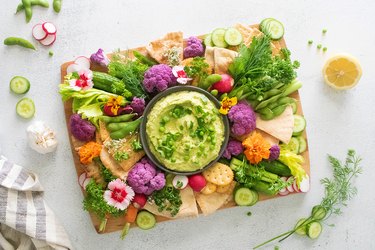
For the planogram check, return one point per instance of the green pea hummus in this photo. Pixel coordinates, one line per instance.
(185, 131)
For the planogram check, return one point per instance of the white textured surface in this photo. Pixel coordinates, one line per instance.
(336, 120)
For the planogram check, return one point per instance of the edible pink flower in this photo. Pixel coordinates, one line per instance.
(119, 194)
(84, 80)
(180, 74)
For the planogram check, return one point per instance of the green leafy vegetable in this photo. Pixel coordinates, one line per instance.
(168, 199)
(105, 172)
(197, 68)
(293, 161)
(338, 191)
(121, 156)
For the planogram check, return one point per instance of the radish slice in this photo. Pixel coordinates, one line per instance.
(305, 184)
(180, 181)
(83, 61)
(82, 178)
(295, 187)
(49, 28)
(49, 40)
(86, 182)
(74, 68)
(290, 187)
(38, 32)
(283, 192)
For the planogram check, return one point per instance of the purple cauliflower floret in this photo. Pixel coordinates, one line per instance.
(144, 179)
(81, 129)
(274, 152)
(138, 105)
(234, 147)
(158, 78)
(100, 58)
(194, 47)
(242, 118)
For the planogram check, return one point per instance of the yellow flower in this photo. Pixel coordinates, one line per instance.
(115, 103)
(226, 104)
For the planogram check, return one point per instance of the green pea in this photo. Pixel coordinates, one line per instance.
(28, 10)
(20, 42)
(214, 92)
(324, 31)
(57, 5)
(324, 49)
(211, 79)
(162, 129)
(319, 46)
(50, 53)
(310, 42)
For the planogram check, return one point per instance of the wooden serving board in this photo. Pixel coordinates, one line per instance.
(116, 224)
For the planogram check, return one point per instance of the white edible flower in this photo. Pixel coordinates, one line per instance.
(41, 138)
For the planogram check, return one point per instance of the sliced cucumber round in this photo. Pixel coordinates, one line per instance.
(294, 107)
(293, 145)
(302, 144)
(244, 197)
(25, 108)
(299, 125)
(272, 28)
(217, 37)
(208, 41)
(314, 229)
(145, 220)
(318, 212)
(255, 197)
(301, 230)
(233, 37)
(19, 85)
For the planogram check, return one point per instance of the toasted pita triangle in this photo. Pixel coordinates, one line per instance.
(209, 203)
(246, 32)
(209, 55)
(188, 208)
(223, 58)
(112, 165)
(255, 33)
(280, 127)
(158, 48)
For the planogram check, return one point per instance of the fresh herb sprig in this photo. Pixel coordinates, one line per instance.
(338, 191)
(168, 199)
(198, 68)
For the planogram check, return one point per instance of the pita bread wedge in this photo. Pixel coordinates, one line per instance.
(209, 55)
(209, 203)
(188, 208)
(280, 127)
(255, 33)
(104, 134)
(245, 30)
(171, 43)
(223, 58)
(112, 165)
(94, 172)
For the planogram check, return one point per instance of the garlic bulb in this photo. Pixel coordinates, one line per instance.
(41, 138)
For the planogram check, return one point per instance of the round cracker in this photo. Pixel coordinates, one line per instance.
(209, 188)
(219, 174)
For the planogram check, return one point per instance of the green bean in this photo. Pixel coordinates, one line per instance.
(294, 86)
(41, 3)
(19, 41)
(57, 5)
(126, 130)
(28, 10)
(120, 118)
(144, 59)
(265, 103)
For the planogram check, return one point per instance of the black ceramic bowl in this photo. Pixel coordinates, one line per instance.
(144, 139)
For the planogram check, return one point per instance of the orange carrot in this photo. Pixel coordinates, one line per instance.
(131, 214)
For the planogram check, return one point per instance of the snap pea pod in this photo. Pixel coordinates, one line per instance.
(279, 110)
(41, 3)
(211, 79)
(114, 119)
(57, 5)
(19, 41)
(28, 10)
(114, 126)
(126, 130)
(265, 103)
(294, 86)
(266, 114)
(144, 59)
(271, 93)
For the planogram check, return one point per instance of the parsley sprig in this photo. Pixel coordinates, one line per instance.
(168, 199)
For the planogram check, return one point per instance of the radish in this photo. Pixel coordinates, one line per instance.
(83, 61)
(49, 40)
(283, 192)
(139, 201)
(82, 178)
(38, 32)
(180, 181)
(197, 182)
(86, 182)
(49, 28)
(295, 187)
(304, 185)
(225, 85)
(290, 187)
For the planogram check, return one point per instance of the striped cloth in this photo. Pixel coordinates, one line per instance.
(23, 209)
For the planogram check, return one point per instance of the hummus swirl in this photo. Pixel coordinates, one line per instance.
(185, 131)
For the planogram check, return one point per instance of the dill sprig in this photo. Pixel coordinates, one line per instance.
(338, 191)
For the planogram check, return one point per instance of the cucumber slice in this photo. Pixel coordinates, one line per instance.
(318, 212)
(233, 37)
(145, 220)
(272, 28)
(293, 145)
(19, 85)
(244, 197)
(25, 108)
(301, 230)
(294, 107)
(208, 41)
(314, 229)
(302, 144)
(217, 37)
(299, 125)
(256, 197)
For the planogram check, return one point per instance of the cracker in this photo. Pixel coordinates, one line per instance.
(219, 174)
(209, 188)
(223, 189)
